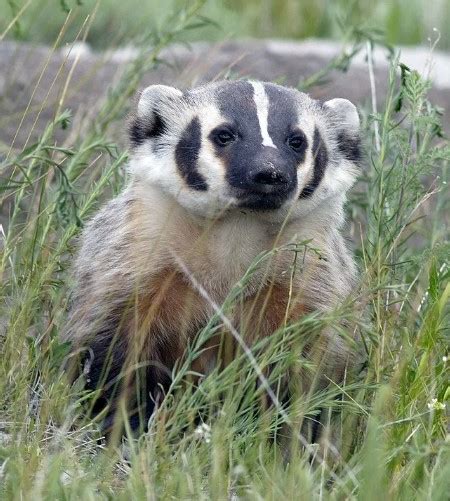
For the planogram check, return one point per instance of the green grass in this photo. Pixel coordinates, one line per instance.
(117, 22)
(393, 420)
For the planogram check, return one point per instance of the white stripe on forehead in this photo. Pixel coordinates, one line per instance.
(262, 110)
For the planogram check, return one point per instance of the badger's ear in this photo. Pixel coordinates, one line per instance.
(155, 105)
(345, 121)
(154, 97)
(344, 113)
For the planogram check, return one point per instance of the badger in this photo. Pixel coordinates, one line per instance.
(219, 174)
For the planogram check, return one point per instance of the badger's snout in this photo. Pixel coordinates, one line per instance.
(264, 182)
(268, 179)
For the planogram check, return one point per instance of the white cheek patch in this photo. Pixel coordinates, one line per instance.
(262, 110)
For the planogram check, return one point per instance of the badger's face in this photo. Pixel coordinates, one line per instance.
(244, 146)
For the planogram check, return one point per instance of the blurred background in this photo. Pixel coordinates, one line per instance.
(116, 22)
(43, 66)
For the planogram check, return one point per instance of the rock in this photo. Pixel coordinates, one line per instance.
(33, 80)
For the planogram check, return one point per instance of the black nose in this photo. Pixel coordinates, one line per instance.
(267, 180)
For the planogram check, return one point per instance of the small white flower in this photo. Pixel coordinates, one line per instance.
(239, 470)
(435, 405)
(203, 431)
(445, 359)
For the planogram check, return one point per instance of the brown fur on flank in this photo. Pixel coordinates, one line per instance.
(152, 266)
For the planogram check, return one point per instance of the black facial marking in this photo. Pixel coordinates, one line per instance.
(320, 156)
(262, 177)
(141, 128)
(350, 147)
(236, 104)
(282, 119)
(186, 156)
(298, 143)
(222, 136)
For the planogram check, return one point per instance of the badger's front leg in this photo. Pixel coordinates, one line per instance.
(322, 358)
(129, 356)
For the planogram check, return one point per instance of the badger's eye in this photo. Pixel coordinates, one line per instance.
(223, 137)
(296, 142)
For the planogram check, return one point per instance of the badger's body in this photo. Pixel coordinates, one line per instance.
(219, 175)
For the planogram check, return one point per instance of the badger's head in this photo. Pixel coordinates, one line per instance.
(245, 146)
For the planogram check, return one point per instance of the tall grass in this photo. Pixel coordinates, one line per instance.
(403, 21)
(393, 419)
